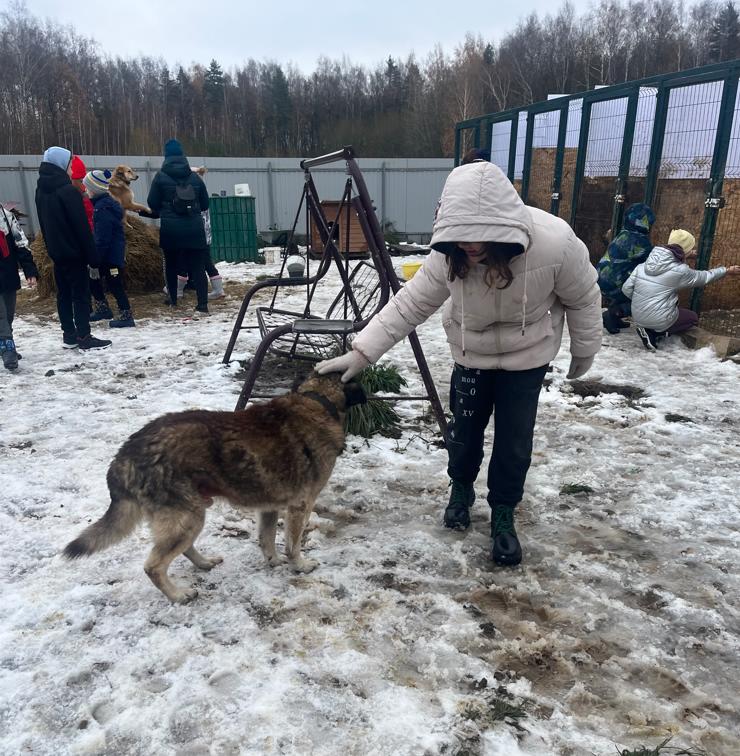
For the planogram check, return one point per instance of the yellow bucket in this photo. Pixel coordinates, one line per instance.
(409, 269)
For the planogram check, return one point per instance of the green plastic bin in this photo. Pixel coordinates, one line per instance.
(233, 229)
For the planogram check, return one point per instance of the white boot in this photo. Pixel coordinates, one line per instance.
(218, 288)
(181, 281)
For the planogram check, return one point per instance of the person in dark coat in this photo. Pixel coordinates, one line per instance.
(110, 243)
(70, 244)
(630, 247)
(178, 197)
(14, 251)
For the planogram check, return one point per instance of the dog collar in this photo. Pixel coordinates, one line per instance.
(330, 407)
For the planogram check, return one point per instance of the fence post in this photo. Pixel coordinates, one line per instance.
(457, 146)
(271, 198)
(382, 195)
(580, 159)
(527, 155)
(624, 161)
(557, 176)
(714, 199)
(656, 144)
(512, 146)
(26, 199)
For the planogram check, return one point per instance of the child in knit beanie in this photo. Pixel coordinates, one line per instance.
(110, 241)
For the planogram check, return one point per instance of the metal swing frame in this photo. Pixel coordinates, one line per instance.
(365, 289)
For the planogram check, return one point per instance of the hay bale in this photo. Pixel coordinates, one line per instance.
(143, 260)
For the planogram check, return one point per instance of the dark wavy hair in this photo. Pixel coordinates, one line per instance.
(498, 256)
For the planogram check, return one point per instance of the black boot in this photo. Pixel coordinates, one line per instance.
(9, 355)
(101, 311)
(506, 548)
(611, 322)
(457, 514)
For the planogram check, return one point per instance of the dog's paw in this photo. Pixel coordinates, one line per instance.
(210, 562)
(275, 560)
(184, 596)
(304, 565)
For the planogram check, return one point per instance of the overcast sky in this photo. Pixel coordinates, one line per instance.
(231, 31)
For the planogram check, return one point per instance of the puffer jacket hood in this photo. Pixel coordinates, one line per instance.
(661, 259)
(479, 204)
(639, 218)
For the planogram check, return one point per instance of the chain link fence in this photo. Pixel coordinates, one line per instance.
(671, 141)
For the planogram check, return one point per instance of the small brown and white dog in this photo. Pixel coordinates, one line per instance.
(272, 457)
(120, 189)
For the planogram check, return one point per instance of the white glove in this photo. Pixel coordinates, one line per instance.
(579, 366)
(349, 365)
(94, 273)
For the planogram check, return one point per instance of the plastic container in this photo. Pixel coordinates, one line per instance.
(242, 190)
(410, 268)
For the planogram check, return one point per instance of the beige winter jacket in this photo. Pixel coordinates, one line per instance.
(516, 328)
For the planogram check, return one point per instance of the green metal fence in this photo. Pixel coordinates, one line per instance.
(672, 141)
(233, 229)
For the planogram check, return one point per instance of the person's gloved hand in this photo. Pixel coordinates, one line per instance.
(349, 365)
(579, 366)
(94, 273)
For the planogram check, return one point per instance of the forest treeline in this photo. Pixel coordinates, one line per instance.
(58, 87)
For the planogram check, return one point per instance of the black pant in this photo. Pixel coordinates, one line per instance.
(113, 278)
(192, 262)
(211, 269)
(512, 396)
(73, 297)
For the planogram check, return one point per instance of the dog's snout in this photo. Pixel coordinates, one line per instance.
(354, 394)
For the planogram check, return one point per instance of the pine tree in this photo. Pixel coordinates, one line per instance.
(724, 38)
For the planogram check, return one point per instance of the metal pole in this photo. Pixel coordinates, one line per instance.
(26, 199)
(527, 167)
(457, 147)
(382, 194)
(656, 144)
(271, 197)
(580, 160)
(512, 146)
(624, 162)
(557, 177)
(714, 199)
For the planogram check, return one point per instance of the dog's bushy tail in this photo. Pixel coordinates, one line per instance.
(121, 518)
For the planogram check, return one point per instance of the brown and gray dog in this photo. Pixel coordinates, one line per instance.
(272, 457)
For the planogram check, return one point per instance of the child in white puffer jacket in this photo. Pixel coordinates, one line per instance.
(653, 287)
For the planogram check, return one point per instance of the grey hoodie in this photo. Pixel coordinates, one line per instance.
(653, 287)
(516, 328)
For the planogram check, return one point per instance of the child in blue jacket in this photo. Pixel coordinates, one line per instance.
(111, 245)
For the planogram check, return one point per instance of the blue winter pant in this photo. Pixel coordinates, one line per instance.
(512, 396)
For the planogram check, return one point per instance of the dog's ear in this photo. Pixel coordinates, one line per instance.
(354, 394)
(297, 381)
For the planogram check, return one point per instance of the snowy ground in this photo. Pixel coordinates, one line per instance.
(622, 626)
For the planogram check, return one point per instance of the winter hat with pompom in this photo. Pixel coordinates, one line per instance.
(96, 182)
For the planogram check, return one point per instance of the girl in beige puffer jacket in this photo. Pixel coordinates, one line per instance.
(508, 276)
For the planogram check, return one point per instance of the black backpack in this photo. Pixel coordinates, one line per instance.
(185, 201)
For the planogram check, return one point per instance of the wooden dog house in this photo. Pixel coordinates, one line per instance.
(358, 247)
